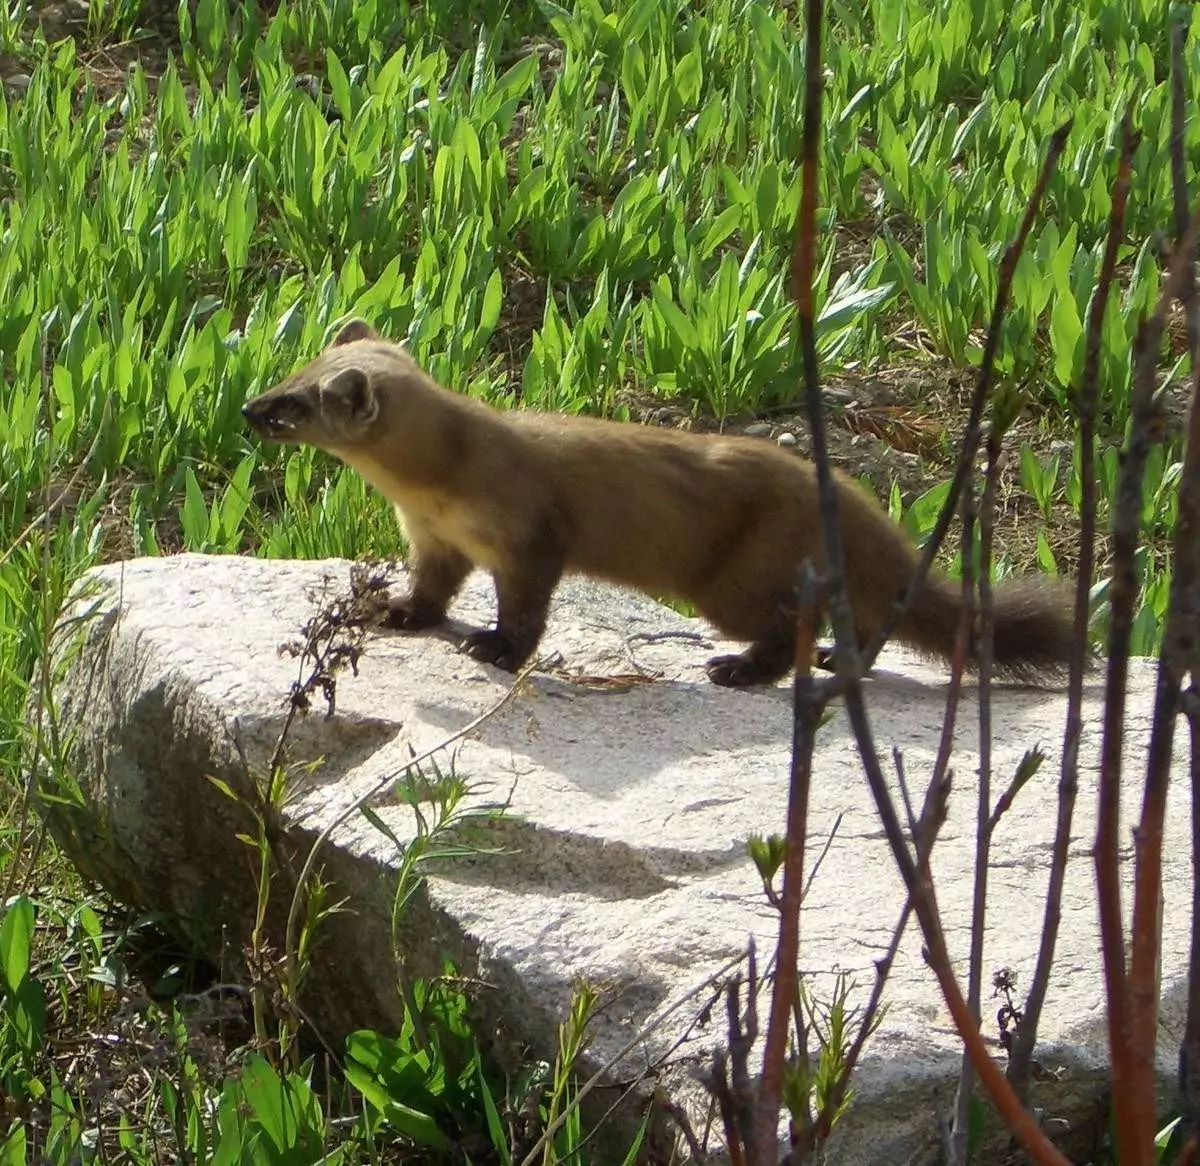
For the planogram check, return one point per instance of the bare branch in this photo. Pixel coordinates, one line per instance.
(1187, 1156)
(902, 781)
(1026, 1037)
(736, 1100)
(920, 889)
(816, 866)
(1180, 656)
(917, 881)
(1132, 1073)
(807, 708)
(808, 696)
(1189, 1053)
(1179, 191)
(1002, 411)
(837, 598)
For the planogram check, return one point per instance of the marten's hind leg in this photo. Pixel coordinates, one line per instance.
(870, 611)
(764, 662)
(826, 657)
(770, 626)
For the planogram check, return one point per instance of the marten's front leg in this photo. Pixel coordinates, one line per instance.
(523, 593)
(436, 570)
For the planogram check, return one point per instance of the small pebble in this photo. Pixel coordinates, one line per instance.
(758, 429)
(18, 83)
(786, 438)
(841, 396)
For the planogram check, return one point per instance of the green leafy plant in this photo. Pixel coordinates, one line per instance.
(428, 1082)
(1039, 476)
(23, 1001)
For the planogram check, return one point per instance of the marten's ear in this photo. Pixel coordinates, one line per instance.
(355, 330)
(348, 396)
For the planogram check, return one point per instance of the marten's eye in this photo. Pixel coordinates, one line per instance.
(292, 409)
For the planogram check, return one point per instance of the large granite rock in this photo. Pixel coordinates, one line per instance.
(623, 855)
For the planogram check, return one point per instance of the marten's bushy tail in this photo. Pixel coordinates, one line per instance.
(1033, 632)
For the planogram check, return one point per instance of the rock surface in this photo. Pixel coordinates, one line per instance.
(624, 849)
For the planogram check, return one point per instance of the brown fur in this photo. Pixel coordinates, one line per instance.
(722, 522)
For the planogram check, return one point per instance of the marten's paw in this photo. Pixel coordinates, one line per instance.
(494, 647)
(738, 671)
(412, 615)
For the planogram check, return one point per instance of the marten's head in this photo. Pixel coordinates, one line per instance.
(332, 402)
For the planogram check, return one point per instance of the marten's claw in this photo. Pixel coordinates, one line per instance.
(738, 671)
(411, 614)
(492, 647)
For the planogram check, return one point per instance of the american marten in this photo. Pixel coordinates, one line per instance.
(722, 522)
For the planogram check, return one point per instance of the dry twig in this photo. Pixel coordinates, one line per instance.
(1022, 1049)
(1132, 995)
(917, 881)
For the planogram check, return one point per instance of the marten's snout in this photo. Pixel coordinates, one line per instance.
(252, 414)
(265, 419)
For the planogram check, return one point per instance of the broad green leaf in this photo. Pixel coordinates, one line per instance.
(493, 301)
(515, 81)
(466, 146)
(847, 305)
(847, 110)
(13, 1146)
(680, 325)
(16, 935)
(271, 1100)
(720, 229)
(922, 515)
(339, 84)
(1065, 331)
(236, 501)
(1045, 555)
(193, 514)
(496, 1131)
(389, 77)
(413, 1123)
(689, 78)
